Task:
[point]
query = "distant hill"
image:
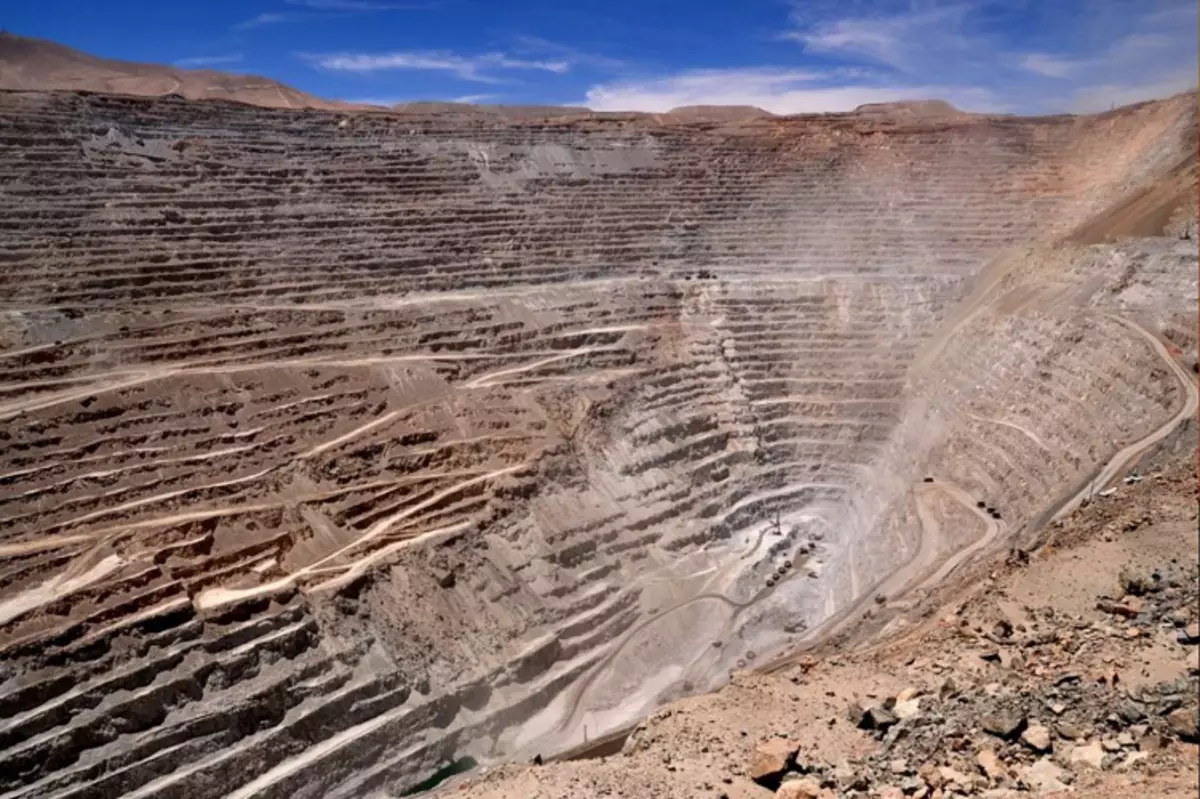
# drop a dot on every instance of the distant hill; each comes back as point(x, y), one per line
point(28, 64)
point(724, 113)
point(918, 109)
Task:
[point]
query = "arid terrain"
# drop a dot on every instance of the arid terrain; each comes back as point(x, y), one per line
point(344, 450)
point(28, 64)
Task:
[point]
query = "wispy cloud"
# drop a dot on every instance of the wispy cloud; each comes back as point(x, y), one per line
point(361, 5)
point(263, 19)
point(1149, 52)
point(388, 102)
point(481, 68)
point(537, 46)
point(1050, 66)
point(473, 99)
point(208, 61)
point(903, 41)
point(990, 56)
point(315, 10)
point(1126, 51)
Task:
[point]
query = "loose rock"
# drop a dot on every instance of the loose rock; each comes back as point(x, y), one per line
point(1090, 755)
point(802, 788)
point(1004, 725)
point(770, 760)
point(990, 764)
point(872, 717)
point(1037, 738)
point(1045, 776)
point(1183, 724)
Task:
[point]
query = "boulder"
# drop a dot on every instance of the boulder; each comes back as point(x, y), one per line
point(1045, 776)
point(770, 760)
point(1136, 581)
point(1183, 724)
point(1011, 660)
point(930, 774)
point(1037, 738)
point(1128, 608)
point(1132, 759)
point(872, 717)
point(1089, 755)
point(848, 779)
point(1072, 732)
point(802, 788)
point(1008, 726)
point(954, 779)
point(990, 764)
point(1131, 712)
point(907, 708)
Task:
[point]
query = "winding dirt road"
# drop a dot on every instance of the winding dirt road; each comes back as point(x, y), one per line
point(1130, 453)
point(992, 532)
point(1116, 465)
point(905, 578)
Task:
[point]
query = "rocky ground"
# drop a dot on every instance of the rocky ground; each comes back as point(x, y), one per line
point(1072, 668)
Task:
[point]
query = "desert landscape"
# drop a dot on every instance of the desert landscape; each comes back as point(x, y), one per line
point(346, 450)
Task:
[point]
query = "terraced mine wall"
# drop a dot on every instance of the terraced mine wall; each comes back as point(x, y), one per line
point(337, 448)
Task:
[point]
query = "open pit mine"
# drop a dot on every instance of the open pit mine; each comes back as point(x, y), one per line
point(338, 446)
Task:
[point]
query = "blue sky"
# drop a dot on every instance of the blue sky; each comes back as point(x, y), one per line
point(788, 56)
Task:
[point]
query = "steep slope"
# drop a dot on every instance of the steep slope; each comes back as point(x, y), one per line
point(28, 64)
point(340, 446)
point(1098, 682)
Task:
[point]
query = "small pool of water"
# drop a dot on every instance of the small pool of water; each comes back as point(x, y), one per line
point(460, 766)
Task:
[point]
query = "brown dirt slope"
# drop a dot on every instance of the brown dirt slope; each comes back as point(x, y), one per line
point(28, 64)
point(1148, 212)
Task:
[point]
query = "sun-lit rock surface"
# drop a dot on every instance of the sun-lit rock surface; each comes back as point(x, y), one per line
point(336, 447)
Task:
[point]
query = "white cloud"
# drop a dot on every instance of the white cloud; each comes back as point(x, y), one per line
point(208, 61)
point(780, 91)
point(474, 68)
